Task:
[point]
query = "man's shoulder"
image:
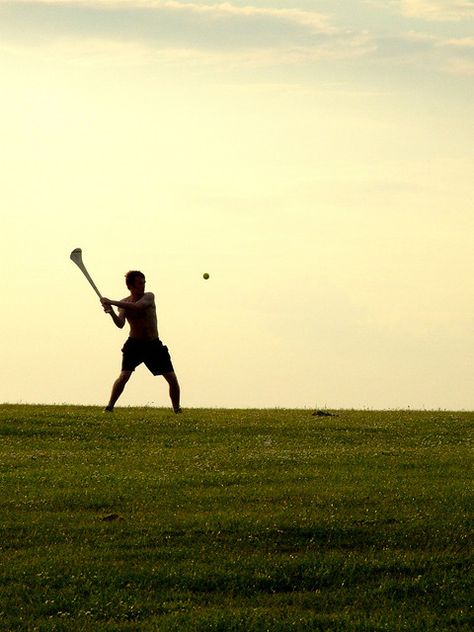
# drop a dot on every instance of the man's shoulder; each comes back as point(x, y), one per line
point(148, 299)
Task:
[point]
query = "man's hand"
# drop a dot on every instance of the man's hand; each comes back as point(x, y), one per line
point(119, 319)
point(106, 305)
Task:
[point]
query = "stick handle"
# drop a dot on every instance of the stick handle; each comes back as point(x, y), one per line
point(83, 269)
point(88, 277)
point(94, 286)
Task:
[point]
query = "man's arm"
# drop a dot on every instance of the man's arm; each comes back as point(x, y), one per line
point(146, 300)
point(119, 319)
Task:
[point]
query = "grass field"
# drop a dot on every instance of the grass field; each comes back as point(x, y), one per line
point(234, 520)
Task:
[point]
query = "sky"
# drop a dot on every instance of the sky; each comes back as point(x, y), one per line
point(315, 157)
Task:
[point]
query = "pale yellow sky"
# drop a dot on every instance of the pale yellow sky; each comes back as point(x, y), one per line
point(315, 159)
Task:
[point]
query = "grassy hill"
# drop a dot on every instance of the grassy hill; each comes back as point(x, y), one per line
point(244, 520)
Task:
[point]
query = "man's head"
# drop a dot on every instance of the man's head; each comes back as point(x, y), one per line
point(132, 276)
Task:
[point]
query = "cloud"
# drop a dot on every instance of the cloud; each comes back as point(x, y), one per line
point(137, 32)
point(460, 42)
point(460, 51)
point(431, 10)
point(438, 9)
point(254, 35)
point(446, 55)
point(215, 14)
point(215, 10)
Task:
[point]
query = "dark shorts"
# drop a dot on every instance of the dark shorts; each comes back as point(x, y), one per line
point(152, 352)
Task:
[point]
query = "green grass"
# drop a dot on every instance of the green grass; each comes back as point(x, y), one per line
point(234, 520)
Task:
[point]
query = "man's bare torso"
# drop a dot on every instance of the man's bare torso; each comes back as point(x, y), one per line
point(143, 323)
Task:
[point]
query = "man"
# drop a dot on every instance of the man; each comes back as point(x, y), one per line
point(143, 344)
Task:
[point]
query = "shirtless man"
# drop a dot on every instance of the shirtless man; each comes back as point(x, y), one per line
point(143, 344)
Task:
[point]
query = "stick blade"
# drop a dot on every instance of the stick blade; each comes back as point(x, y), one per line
point(76, 255)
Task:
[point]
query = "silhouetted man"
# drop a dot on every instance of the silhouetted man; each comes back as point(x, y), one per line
point(143, 344)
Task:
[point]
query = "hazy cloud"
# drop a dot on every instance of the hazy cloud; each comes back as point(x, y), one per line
point(437, 10)
point(214, 14)
point(451, 54)
point(256, 34)
point(460, 42)
point(141, 31)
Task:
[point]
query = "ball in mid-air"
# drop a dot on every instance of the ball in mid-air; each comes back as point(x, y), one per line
point(205, 276)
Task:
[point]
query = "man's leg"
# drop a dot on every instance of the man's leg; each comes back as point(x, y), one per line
point(174, 390)
point(117, 389)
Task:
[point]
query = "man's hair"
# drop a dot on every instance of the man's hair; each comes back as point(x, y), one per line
point(131, 276)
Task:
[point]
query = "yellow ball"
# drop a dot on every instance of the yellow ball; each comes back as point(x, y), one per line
point(205, 276)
